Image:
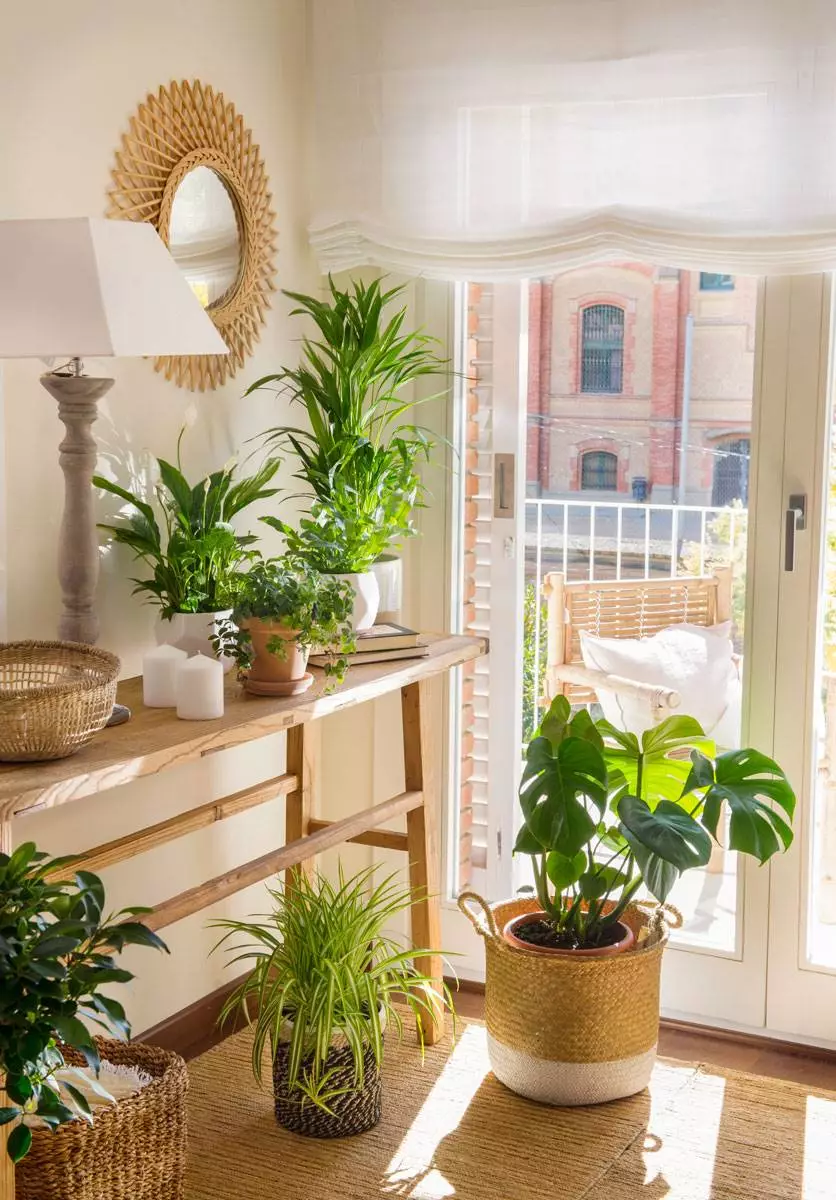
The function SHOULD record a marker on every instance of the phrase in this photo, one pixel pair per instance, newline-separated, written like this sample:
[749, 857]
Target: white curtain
[496, 138]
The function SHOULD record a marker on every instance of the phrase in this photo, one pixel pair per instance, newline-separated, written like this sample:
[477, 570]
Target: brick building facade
[607, 403]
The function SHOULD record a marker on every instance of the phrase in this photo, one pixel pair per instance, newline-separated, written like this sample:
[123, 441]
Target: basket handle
[484, 922]
[660, 915]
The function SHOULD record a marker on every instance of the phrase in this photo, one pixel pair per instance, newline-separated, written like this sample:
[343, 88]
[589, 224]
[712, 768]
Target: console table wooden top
[155, 740]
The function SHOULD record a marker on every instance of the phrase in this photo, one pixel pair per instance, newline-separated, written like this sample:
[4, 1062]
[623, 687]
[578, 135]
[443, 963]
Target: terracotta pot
[269, 672]
[626, 940]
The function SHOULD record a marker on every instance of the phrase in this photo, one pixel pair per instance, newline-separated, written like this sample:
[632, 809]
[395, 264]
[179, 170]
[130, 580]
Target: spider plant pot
[567, 1028]
[196, 633]
[366, 598]
[271, 673]
[355, 1108]
[134, 1150]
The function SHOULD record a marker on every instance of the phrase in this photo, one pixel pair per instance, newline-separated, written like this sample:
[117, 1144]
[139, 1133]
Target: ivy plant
[289, 592]
[605, 813]
[56, 954]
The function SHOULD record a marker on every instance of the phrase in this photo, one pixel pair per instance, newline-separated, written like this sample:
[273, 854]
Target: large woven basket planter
[134, 1150]
[565, 1030]
[355, 1111]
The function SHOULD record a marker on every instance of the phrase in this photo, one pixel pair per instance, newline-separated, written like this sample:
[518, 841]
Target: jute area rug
[450, 1130]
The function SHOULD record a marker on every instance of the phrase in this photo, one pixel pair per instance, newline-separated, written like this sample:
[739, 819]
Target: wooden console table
[155, 741]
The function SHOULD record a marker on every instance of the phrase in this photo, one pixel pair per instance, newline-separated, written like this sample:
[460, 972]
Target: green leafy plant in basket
[56, 953]
[194, 554]
[606, 813]
[326, 980]
[360, 454]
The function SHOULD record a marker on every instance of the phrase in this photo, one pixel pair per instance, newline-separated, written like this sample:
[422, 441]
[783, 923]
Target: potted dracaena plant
[608, 818]
[57, 953]
[360, 454]
[194, 553]
[282, 608]
[326, 981]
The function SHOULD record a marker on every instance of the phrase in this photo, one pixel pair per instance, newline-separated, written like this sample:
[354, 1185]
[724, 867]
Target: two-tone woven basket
[570, 1030]
[134, 1150]
[54, 696]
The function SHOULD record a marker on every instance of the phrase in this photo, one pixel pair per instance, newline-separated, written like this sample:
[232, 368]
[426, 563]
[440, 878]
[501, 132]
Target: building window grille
[716, 283]
[602, 349]
[599, 471]
[731, 473]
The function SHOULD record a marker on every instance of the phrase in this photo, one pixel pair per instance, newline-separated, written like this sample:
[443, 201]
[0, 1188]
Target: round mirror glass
[204, 236]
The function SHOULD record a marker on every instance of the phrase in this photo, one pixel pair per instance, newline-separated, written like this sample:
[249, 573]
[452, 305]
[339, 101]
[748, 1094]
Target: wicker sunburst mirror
[189, 165]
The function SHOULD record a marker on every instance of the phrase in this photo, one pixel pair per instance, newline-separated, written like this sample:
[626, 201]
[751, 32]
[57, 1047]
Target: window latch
[795, 521]
[504, 485]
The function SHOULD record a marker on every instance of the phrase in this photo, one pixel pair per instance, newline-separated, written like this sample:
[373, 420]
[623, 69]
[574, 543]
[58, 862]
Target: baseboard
[195, 1029]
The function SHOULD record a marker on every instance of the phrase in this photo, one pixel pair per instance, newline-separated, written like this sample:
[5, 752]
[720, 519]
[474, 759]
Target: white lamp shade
[89, 287]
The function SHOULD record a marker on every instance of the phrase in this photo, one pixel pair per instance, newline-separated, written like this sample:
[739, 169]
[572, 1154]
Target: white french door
[758, 950]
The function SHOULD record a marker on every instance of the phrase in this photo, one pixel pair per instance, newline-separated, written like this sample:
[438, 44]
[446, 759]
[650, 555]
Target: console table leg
[7, 1170]
[302, 746]
[423, 832]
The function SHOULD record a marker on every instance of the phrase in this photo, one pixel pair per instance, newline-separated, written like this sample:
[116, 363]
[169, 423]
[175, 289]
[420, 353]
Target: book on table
[375, 656]
[388, 636]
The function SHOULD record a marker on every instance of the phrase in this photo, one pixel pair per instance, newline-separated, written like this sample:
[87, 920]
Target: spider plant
[195, 554]
[360, 455]
[323, 968]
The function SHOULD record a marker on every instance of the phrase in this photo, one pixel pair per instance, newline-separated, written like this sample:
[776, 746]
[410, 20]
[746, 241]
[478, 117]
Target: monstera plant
[606, 813]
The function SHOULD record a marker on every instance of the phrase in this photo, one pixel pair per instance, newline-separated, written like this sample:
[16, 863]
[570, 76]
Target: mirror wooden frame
[184, 126]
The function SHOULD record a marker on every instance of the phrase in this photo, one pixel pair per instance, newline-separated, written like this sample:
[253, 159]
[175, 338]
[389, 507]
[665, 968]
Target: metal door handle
[795, 521]
[504, 478]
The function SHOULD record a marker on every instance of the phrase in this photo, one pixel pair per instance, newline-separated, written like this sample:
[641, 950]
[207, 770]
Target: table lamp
[89, 287]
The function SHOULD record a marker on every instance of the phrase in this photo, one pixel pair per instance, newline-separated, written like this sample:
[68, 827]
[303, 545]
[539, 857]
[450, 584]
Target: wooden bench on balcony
[624, 608]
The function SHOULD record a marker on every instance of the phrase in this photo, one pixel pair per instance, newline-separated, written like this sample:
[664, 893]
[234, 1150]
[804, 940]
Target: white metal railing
[600, 539]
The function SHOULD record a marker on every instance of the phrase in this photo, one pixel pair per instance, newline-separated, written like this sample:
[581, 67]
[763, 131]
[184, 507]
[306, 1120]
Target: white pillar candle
[159, 667]
[200, 689]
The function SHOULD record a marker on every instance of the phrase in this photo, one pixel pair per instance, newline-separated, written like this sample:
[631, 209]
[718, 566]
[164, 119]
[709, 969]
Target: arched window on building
[599, 471]
[602, 348]
[731, 473]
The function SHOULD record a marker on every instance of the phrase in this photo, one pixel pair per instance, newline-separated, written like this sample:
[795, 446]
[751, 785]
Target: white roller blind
[492, 138]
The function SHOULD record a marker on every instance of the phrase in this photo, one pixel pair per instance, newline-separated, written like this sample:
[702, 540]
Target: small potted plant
[326, 981]
[359, 456]
[56, 955]
[605, 816]
[195, 555]
[282, 608]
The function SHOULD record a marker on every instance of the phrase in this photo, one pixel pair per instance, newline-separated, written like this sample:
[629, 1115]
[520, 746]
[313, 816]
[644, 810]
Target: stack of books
[383, 643]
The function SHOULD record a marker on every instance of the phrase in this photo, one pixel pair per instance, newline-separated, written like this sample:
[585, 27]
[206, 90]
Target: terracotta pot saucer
[284, 687]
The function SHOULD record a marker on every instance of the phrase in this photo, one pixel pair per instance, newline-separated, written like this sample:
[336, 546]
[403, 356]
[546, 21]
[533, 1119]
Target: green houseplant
[573, 974]
[360, 454]
[325, 981]
[56, 954]
[193, 553]
[282, 608]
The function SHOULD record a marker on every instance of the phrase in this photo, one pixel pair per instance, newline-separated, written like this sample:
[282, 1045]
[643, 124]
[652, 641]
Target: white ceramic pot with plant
[572, 981]
[388, 570]
[284, 607]
[328, 975]
[359, 381]
[193, 553]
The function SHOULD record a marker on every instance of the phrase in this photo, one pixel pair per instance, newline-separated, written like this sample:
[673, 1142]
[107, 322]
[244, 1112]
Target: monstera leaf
[658, 767]
[754, 787]
[560, 785]
[666, 840]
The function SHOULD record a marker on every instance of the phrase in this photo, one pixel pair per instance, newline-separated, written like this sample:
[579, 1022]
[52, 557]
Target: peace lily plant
[606, 814]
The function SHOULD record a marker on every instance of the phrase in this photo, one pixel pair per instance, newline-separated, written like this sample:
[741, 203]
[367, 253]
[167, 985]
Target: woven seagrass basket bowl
[134, 1150]
[54, 696]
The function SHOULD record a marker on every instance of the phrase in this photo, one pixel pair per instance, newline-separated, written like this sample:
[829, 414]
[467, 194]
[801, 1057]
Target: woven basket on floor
[134, 1150]
[54, 696]
[357, 1110]
[567, 1030]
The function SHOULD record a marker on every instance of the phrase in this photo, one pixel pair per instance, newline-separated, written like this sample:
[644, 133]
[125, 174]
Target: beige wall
[71, 74]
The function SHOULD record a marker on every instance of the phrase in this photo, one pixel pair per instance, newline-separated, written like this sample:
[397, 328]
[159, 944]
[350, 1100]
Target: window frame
[613, 348]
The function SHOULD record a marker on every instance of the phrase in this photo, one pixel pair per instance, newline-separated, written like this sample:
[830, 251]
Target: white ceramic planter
[366, 599]
[194, 633]
[388, 570]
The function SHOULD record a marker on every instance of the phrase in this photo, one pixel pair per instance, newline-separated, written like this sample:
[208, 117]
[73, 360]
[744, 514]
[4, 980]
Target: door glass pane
[821, 947]
[670, 445]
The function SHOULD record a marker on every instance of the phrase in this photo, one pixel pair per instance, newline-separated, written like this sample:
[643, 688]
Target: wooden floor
[818, 1069]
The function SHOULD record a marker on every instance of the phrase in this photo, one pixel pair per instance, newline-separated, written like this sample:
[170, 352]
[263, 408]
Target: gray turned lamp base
[78, 548]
